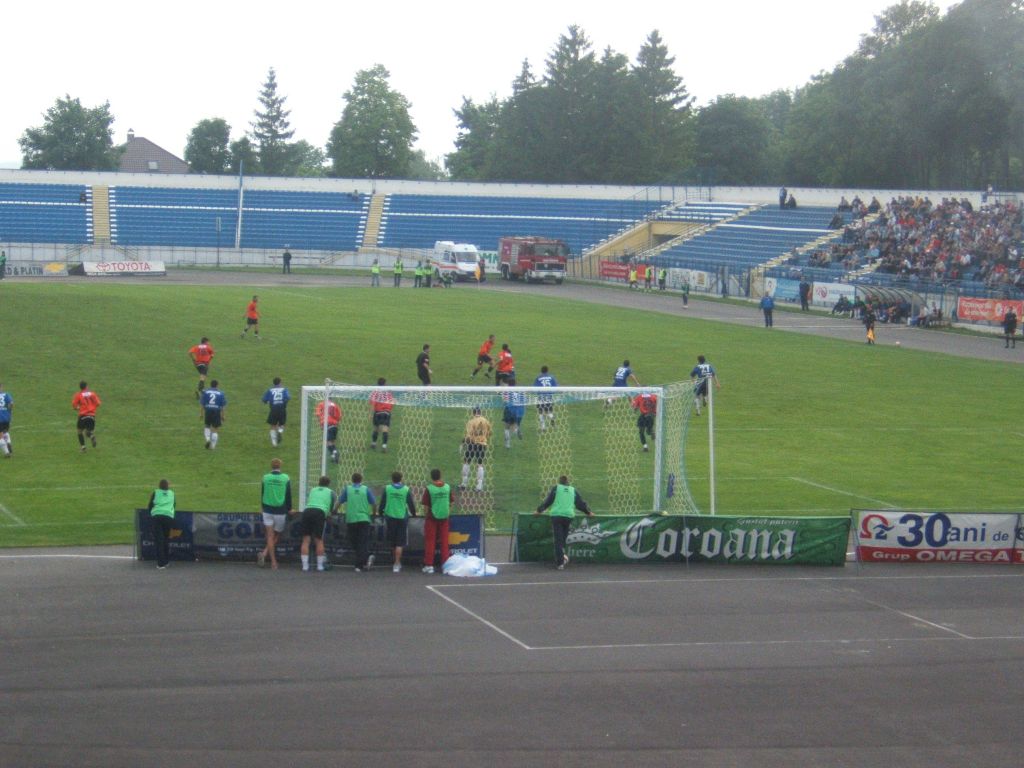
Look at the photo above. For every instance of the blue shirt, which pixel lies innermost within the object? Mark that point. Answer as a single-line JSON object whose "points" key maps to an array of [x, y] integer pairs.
{"points": [[767, 302], [515, 405], [369, 496], [214, 400], [6, 401], [276, 396], [622, 374], [702, 371], [545, 380]]}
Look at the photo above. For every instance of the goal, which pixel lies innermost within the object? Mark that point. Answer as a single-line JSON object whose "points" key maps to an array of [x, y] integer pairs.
{"points": [[590, 434]]}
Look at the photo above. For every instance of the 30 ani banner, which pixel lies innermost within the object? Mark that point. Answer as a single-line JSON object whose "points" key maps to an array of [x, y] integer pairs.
{"points": [[900, 535], [690, 538]]}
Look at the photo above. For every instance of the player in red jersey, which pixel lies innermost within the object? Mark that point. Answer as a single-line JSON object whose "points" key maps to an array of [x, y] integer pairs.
{"points": [[333, 419], [86, 402], [506, 368], [202, 356], [252, 318], [483, 357], [381, 403], [646, 405]]}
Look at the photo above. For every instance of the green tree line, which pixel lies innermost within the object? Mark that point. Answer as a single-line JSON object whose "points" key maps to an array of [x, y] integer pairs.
{"points": [[927, 100]]}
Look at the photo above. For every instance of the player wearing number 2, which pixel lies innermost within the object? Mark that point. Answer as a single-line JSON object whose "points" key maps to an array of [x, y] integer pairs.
{"points": [[214, 403]]}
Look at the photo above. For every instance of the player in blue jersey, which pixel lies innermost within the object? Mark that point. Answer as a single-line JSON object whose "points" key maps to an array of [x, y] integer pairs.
{"points": [[701, 373], [545, 408], [512, 416], [277, 398], [6, 405], [214, 403], [623, 375]]}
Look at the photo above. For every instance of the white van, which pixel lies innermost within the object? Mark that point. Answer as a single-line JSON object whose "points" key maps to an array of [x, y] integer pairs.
{"points": [[457, 259]]}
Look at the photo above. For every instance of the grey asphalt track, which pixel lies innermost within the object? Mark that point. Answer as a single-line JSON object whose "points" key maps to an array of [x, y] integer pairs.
{"points": [[105, 661], [109, 662]]}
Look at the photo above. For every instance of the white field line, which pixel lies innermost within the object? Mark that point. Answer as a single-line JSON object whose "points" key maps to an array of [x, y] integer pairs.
{"points": [[912, 617], [120, 521], [481, 619], [842, 492], [66, 557], [15, 520]]}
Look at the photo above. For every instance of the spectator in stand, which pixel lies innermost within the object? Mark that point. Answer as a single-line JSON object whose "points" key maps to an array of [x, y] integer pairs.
{"points": [[844, 205]]}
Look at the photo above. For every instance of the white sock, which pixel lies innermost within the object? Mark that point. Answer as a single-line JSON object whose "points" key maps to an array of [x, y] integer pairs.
{"points": [[465, 474], [213, 439], [480, 477], [305, 562], [508, 436], [206, 434], [273, 437], [321, 561]]}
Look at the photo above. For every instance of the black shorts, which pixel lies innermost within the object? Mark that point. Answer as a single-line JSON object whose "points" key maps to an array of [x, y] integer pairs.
{"points": [[382, 418], [481, 359], [278, 415], [87, 423], [252, 321], [545, 407], [702, 389], [397, 531], [508, 377], [332, 433], [202, 368], [4, 426], [473, 452], [424, 377], [312, 523], [212, 417], [645, 421]]}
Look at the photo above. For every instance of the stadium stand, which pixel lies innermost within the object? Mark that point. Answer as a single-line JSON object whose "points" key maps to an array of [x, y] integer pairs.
{"points": [[270, 219], [418, 221], [748, 238], [45, 213]]}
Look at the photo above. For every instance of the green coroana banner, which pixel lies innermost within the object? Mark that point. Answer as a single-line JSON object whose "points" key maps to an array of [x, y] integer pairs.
{"points": [[689, 538]]}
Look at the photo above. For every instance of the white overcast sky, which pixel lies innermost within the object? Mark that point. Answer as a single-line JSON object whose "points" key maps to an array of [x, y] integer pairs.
{"points": [[165, 67]]}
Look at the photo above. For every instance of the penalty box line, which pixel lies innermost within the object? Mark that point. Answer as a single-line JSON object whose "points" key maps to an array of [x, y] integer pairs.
{"points": [[950, 633], [840, 491]]}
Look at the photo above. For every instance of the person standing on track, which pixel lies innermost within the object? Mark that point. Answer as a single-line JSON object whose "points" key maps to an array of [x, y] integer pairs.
{"points": [[563, 500], [767, 307], [320, 502], [1010, 328], [276, 505], [437, 502], [359, 503], [161, 513], [86, 402], [396, 504]]}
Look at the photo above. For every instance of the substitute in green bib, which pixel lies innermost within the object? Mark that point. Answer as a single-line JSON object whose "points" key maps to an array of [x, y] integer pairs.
{"points": [[276, 505], [563, 500], [437, 502], [161, 512], [396, 505], [320, 502], [359, 503]]}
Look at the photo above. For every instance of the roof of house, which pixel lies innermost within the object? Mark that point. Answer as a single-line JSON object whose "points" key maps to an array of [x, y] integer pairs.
{"points": [[143, 156]]}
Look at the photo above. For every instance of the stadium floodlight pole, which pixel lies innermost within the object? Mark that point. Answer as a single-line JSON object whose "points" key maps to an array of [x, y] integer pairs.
{"points": [[241, 194], [711, 443]]}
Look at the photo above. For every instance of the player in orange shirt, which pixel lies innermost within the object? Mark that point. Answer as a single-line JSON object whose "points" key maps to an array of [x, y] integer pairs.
{"points": [[333, 419], [252, 318], [484, 356], [381, 403], [646, 405], [201, 354], [86, 402], [506, 368]]}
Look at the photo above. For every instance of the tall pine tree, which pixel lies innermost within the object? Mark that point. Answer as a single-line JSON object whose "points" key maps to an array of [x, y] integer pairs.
{"points": [[271, 131]]}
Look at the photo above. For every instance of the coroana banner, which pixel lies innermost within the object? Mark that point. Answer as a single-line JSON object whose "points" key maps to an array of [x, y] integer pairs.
{"points": [[689, 538]]}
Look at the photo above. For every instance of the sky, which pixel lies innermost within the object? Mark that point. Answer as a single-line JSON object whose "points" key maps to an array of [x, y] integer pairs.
{"points": [[165, 68]]}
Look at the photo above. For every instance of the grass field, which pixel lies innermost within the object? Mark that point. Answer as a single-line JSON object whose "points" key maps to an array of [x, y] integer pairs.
{"points": [[805, 425]]}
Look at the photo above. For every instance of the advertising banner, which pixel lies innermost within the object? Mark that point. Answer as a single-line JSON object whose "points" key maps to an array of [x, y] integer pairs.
{"points": [[240, 536], [782, 289], [986, 310], [905, 536], [107, 268], [689, 538], [827, 294], [36, 269], [614, 270]]}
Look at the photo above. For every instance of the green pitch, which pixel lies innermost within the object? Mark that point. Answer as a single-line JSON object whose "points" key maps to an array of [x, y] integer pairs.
{"points": [[805, 425]]}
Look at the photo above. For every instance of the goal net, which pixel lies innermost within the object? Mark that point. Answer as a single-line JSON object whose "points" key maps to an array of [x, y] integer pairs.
{"points": [[590, 434]]}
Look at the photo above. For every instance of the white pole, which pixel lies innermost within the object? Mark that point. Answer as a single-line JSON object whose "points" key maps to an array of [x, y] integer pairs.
{"points": [[711, 441], [659, 425], [241, 194], [327, 420]]}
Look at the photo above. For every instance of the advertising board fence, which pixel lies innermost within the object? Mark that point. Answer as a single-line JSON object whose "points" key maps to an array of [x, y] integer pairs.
{"points": [[915, 536]]}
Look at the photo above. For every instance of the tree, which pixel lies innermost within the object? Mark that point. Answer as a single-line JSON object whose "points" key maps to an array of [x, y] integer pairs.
{"points": [[271, 129], [733, 135], [303, 159], [475, 145], [244, 157], [894, 24], [71, 138], [666, 115], [207, 148], [374, 137]]}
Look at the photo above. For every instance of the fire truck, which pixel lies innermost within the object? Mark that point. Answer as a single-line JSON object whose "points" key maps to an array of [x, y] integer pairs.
{"points": [[532, 259]]}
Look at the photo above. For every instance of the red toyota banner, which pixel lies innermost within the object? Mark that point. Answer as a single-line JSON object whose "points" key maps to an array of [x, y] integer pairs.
{"points": [[616, 270], [986, 310]]}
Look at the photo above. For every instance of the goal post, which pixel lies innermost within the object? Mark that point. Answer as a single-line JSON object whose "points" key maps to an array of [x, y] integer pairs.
{"points": [[590, 434]]}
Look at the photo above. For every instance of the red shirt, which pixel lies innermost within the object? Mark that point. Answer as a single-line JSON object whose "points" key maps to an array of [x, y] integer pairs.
{"points": [[85, 402], [505, 361], [333, 414], [382, 401], [646, 404], [201, 353], [485, 348], [252, 312]]}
